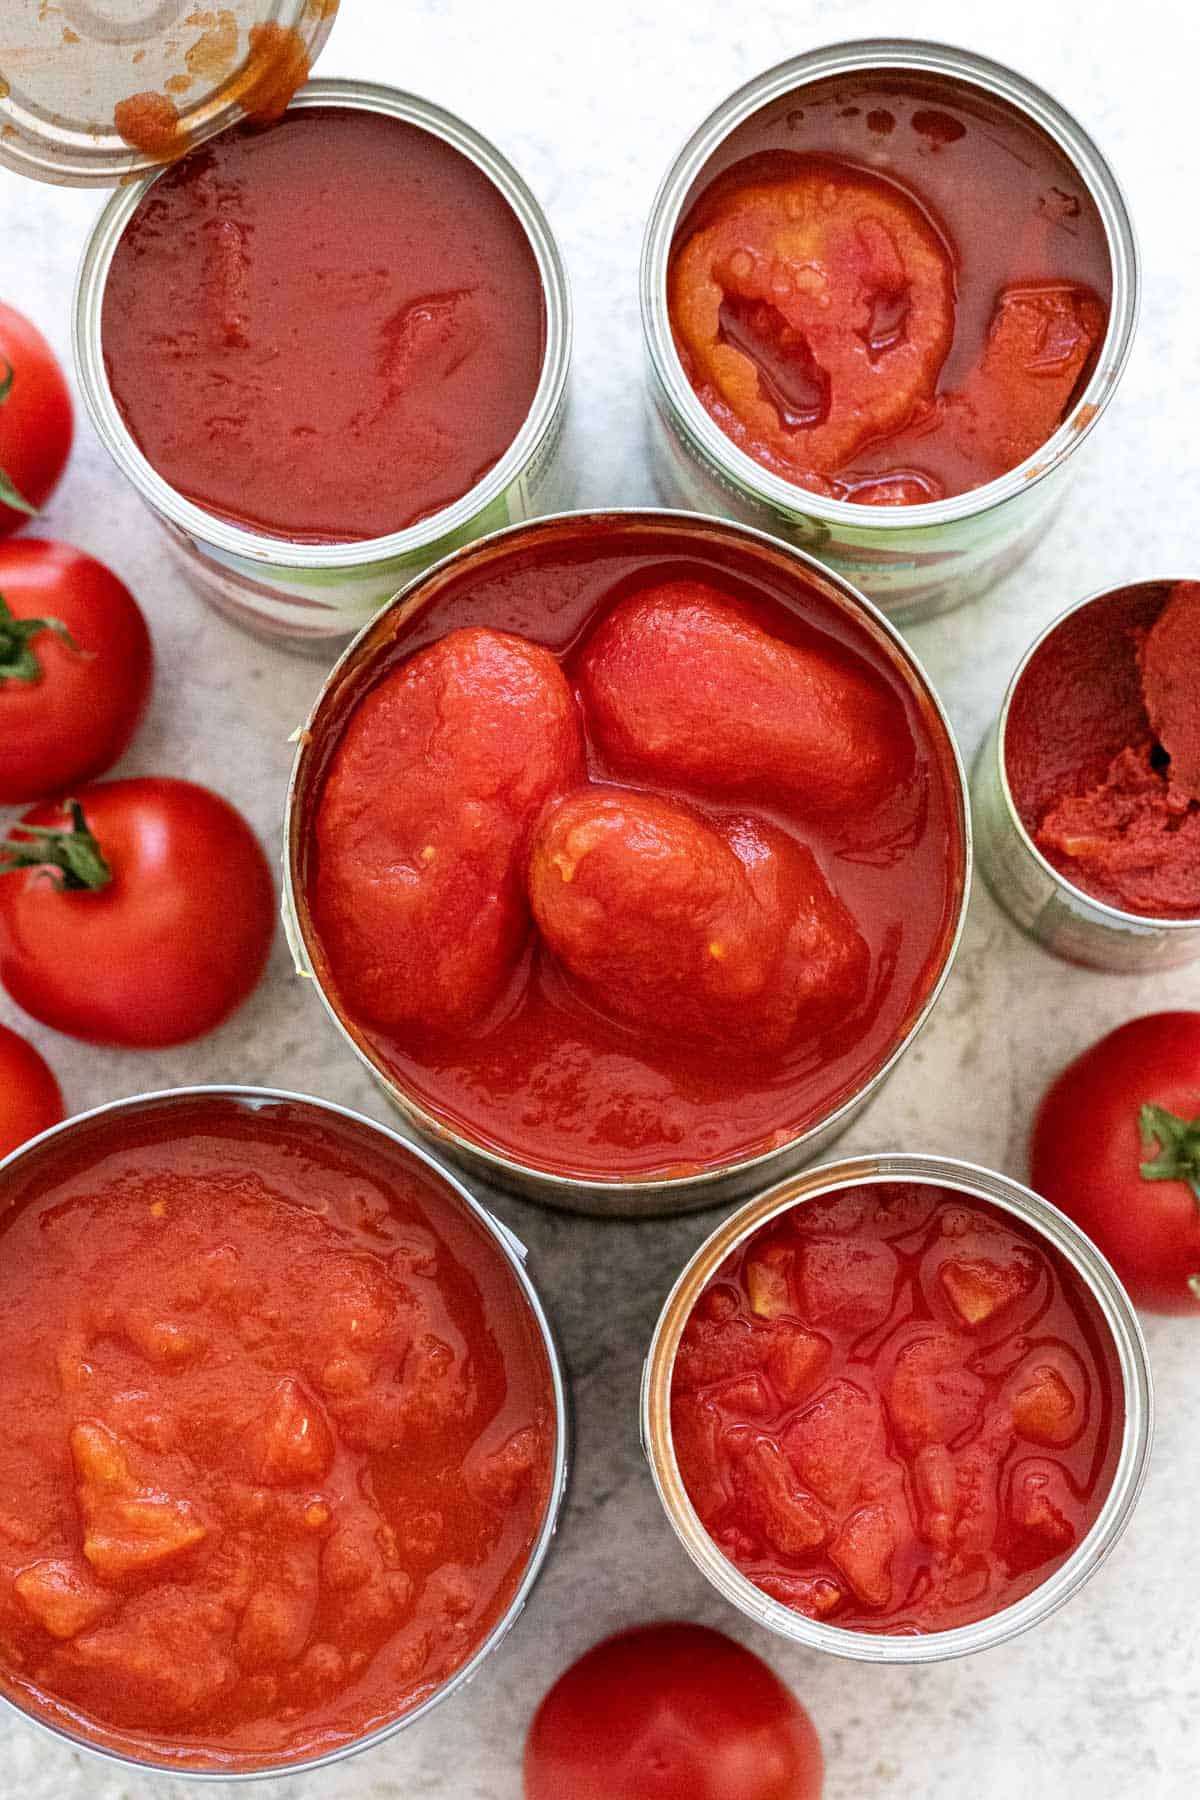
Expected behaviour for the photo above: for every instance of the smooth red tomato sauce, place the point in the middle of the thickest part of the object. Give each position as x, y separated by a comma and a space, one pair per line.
889, 288
279, 1434
896, 1409
326, 330
551, 1073
1102, 749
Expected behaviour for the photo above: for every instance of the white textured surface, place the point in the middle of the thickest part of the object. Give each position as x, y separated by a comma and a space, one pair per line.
1101, 1703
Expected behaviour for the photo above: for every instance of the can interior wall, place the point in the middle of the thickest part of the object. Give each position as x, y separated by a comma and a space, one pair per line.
299, 593
1132, 1358
619, 1197
513, 1254
913, 561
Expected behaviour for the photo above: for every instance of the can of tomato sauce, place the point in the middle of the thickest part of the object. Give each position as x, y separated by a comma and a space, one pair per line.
1086, 790
630, 852
287, 1438
326, 351
887, 290
898, 1408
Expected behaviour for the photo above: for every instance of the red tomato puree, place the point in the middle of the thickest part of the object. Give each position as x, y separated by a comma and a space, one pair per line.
279, 1431
889, 288
327, 330
1102, 749
896, 1409
626, 864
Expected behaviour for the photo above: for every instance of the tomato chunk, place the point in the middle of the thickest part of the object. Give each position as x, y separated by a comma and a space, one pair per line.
129, 1529
829, 1442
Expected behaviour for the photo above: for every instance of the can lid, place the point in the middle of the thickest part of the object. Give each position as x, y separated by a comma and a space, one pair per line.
96, 91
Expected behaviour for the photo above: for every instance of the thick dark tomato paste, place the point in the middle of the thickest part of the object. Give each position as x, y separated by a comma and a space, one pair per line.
889, 289
1102, 749
895, 1409
626, 865
327, 330
279, 1434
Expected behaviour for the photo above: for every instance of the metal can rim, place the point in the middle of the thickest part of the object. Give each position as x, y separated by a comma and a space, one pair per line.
1119, 1317
511, 1249
501, 1166
235, 540
920, 56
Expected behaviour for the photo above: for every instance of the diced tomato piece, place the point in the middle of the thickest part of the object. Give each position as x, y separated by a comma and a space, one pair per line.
814, 1595
933, 1398
978, 1287
1046, 1409
129, 1528
790, 1518
829, 1442
848, 1282
768, 1279
863, 1551
294, 1442
796, 1359
62, 1596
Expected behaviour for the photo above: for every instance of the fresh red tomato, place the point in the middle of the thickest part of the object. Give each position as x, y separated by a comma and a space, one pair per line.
671, 1712
30, 1100
1116, 1144
36, 422
75, 664
141, 914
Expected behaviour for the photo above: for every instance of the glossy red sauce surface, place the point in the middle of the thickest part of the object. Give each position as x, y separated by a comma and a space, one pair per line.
896, 1409
619, 1061
1101, 751
327, 330
279, 1434
889, 288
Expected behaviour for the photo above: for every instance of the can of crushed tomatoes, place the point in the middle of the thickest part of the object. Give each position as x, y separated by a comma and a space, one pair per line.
224, 1123
866, 101
1116, 1397
312, 592
1069, 671
531, 1104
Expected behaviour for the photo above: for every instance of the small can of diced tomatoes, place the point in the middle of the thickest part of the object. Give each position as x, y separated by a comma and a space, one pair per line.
327, 351
887, 290
898, 1408
630, 851
286, 1433
1086, 789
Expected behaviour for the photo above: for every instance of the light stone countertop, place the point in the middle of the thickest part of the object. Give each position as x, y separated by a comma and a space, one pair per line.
1101, 1702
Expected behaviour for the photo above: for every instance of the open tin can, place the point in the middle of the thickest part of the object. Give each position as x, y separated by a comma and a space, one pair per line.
1130, 1358
633, 539
373, 1145
1037, 895
913, 560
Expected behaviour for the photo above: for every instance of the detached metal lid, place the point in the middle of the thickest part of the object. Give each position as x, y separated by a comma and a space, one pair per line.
95, 91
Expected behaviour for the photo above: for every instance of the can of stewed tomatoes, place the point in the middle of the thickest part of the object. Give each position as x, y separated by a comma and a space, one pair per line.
898, 1408
630, 851
326, 351
1086, 789
288, 1433
887, 290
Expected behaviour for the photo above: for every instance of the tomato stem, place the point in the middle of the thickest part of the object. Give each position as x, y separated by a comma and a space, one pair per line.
10, 493
72, 857
17, 660
1178, 1142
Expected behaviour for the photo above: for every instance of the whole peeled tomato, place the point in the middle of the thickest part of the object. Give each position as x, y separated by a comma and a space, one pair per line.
1116, 1144
30, 1100
140, 914
36, 422
75, 667
671, 1712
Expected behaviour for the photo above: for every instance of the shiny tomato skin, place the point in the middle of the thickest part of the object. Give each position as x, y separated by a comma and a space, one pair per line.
36, 420
30, 1098
170, 947
671, 1712
73, 722
1087, 1148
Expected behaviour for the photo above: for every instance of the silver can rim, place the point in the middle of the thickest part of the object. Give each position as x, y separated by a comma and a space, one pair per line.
1117, 1310
506, 1169
206, 528
513, 1252
920, 56
1108, 914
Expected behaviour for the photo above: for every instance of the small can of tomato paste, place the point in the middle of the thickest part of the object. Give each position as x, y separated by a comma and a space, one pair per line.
341, 1336
721, 1028
898, 1408
1086, 789
277, 464
973, 357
